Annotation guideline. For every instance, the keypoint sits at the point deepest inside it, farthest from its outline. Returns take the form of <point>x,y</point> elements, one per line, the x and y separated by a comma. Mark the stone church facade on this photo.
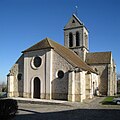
<point>48,70</point>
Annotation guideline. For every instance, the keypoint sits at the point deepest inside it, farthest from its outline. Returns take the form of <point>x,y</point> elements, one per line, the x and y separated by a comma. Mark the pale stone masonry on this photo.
<point>48,70</point>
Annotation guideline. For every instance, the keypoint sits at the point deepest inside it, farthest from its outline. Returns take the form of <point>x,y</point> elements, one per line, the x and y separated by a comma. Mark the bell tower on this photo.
<point>76,37</point>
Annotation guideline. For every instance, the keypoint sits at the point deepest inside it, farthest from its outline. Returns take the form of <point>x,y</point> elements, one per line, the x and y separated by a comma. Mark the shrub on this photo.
<point>4,89</point>
<point>8,108</point>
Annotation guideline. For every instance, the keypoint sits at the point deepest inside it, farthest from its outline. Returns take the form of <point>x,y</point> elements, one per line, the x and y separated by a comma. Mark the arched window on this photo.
<point>19,76</point>
<point>60,74</point>
<point>70,39</point>
<point>77,39</point>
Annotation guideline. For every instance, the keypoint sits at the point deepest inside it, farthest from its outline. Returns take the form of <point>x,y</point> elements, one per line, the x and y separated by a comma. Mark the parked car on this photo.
<point>116,100</point>
<point>3,95</point>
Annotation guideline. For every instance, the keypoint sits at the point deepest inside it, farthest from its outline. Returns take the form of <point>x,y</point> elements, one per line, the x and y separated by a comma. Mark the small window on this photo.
<point>76,52</point>
<point>37,61</point>
<point>60,74</point>
<point>73,21</point>
<point>96,70</point>
<point>19,76</point>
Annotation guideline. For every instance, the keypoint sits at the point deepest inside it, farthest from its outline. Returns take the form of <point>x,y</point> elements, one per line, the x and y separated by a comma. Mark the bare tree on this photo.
<point>4,87</point>
<point>118,76</point>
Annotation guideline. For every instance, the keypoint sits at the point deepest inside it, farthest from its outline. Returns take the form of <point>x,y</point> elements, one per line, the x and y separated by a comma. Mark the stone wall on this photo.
<point>88,85</point>
<point>92,83</point>
<point>102,69</point>
<point>112,79</point>
<point>15,86</point>
<point>60,85</point>
<point>30,73</point>
<point>20,63</point>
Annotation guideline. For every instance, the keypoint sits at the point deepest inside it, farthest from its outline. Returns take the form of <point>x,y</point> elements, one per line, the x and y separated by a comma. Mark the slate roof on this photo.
<point>77,19</point>
<point>98,58</point>
<point>77,24</point>
<point>70,25</point>
<point>39,46</point>
<point>66,53</point>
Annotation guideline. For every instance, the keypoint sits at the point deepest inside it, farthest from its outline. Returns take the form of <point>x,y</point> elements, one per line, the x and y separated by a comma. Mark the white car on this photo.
<point>116,100</point>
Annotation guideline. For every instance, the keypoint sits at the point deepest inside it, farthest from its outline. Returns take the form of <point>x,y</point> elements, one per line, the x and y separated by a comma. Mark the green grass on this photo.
<point>107,100</point>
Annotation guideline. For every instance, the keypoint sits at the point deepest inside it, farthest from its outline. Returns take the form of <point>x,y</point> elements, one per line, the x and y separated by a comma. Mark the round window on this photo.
<point>37,61</point>
<point>19,76</point>
<point>60,74</point>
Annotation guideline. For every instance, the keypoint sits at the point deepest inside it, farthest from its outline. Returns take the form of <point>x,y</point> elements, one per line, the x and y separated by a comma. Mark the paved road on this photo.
<point>89,110</point>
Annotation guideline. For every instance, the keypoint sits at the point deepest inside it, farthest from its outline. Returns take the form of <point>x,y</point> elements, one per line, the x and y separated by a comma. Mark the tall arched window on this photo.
<point>70,39</point>
<point>77,39</point>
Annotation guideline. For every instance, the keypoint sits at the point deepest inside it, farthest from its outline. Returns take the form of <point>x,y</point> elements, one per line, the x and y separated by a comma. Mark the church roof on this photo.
<point>74,22</point>
<point>77,19</point>
<point>66,53</point>
<point>98,58</point>
<point>43,44</point>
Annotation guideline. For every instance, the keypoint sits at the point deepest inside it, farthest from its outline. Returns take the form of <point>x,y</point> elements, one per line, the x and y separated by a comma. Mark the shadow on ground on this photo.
<point>77,114</point>
<point>108,103</point>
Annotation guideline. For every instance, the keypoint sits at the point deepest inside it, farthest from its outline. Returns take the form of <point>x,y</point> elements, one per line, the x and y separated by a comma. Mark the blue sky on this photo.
<point>25,22</point>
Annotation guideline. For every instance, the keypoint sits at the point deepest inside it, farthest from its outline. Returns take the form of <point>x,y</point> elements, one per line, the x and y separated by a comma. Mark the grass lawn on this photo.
<point>108,100</point>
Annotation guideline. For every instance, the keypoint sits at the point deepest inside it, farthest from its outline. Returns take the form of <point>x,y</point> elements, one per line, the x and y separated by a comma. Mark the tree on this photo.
<point>118,76</point>
<point>4,87</point>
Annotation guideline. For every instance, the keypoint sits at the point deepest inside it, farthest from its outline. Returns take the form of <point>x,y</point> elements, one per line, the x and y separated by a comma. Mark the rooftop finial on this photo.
<point>76,10</point>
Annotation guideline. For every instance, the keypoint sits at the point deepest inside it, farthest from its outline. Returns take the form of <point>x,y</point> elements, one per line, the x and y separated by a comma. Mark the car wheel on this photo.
<point>118,102</point>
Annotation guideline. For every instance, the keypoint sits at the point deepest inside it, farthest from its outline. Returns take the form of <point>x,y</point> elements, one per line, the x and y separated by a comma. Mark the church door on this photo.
<point>37,84</point>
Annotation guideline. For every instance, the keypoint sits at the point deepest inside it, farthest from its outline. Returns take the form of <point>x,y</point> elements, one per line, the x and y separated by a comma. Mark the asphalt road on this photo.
<point>89,110</point>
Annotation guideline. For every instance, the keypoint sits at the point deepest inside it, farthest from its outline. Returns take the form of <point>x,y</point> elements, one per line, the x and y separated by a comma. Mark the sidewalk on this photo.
<point>85,104</point>
<point>37,101</point>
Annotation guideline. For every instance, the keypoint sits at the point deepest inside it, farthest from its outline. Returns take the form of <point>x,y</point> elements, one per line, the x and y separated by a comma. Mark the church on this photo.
<point>48,70</point>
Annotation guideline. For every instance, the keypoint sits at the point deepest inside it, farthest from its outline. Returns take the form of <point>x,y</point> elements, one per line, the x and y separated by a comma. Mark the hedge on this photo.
<point>8,108</point>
